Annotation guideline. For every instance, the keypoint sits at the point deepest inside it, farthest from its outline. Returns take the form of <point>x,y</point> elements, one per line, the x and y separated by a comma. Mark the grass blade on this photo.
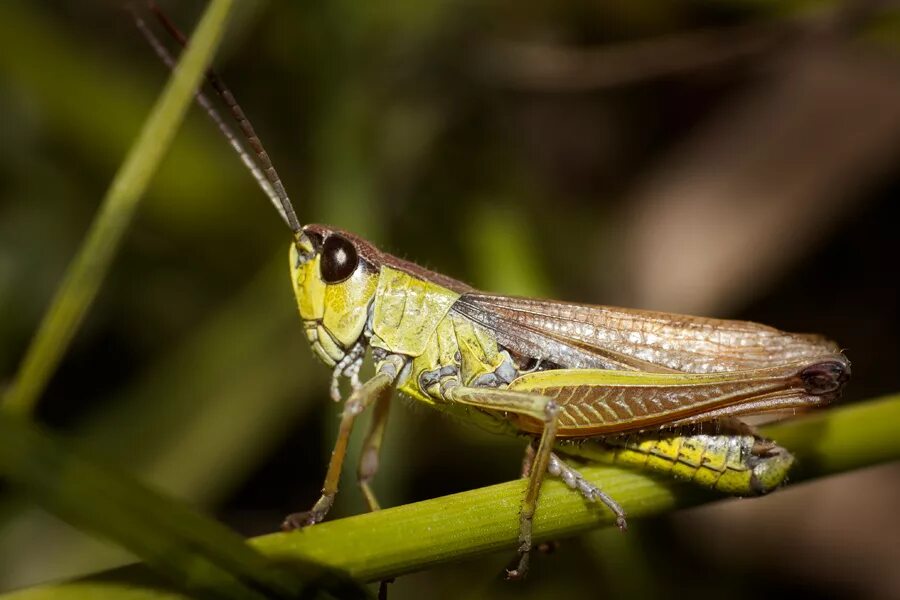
<point>85,275</point>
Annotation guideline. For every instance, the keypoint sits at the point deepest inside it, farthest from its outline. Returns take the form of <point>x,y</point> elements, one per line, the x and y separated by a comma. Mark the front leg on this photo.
<point>371,450</point>
<point>361,398</point>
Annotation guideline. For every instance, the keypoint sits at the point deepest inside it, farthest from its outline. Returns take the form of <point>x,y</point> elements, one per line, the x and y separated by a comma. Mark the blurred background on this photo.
<point>724,157</point>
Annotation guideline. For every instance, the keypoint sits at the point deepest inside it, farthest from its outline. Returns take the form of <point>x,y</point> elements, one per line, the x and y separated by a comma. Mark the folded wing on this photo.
<point>582,336</point>
<point>603,402</point>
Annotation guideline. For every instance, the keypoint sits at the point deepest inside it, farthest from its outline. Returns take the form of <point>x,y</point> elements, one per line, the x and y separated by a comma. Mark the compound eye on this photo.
<point>339,259</point>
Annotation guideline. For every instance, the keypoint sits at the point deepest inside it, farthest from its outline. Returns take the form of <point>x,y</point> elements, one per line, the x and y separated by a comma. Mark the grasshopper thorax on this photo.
<point>335,275</point>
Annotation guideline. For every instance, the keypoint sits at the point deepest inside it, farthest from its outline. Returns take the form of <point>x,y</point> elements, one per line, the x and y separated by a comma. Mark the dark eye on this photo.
<point>339,259</point>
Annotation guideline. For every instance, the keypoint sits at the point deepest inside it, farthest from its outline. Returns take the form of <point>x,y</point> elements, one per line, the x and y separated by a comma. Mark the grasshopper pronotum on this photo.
<point>596,382</point>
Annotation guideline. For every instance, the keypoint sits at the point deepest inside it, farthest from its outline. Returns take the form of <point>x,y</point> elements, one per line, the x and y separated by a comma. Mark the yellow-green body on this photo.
<point>410,317</point>
<point>413,317</point>
<point>730,463</point>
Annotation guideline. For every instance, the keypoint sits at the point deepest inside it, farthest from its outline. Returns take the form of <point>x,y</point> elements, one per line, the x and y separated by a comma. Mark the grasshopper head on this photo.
<point>335,275</point>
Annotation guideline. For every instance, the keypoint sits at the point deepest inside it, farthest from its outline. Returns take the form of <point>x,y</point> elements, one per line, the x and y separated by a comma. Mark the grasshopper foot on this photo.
<point>518,572</point>
<point>300,520</point>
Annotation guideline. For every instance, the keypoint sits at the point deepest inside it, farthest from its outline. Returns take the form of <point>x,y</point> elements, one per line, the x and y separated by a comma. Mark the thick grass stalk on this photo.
<point>416,536</point>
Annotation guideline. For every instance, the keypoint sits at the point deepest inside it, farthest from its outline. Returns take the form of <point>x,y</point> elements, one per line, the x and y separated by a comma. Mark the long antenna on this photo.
<point>266,175</point>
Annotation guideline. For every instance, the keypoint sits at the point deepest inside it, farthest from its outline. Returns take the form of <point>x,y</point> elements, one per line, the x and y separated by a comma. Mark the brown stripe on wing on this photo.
<point>601,409</point>
<point>589,336</point>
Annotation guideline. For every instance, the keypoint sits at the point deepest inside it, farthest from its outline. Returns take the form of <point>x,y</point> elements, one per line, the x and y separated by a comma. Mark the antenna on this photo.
<point>266,175</point>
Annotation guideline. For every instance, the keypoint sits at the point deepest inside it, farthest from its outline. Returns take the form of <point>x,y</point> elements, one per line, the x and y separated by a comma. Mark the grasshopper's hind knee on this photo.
<point>527,404</point>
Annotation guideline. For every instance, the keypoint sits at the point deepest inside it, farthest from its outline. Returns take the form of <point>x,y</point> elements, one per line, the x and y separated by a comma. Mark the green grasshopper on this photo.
<point>574,380</point>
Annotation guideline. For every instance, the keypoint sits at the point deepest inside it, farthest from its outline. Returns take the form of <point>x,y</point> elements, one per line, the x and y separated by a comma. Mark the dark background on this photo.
<point>726,158</point>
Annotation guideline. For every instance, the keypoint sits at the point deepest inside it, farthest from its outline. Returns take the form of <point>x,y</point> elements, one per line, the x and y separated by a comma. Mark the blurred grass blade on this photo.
<point>502,253</point>
<point>86,272</point>
<point>190,550</point>
<point>416,536</point>
<point>190,411</point>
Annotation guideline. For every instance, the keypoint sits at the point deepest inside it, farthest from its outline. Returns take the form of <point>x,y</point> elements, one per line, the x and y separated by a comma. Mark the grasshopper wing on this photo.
<point>602,402</point>
<point>583,336</point>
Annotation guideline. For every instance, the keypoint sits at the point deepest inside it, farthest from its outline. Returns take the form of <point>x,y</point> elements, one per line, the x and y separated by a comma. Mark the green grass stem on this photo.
<point>85,275</point>
<point>424,534</point>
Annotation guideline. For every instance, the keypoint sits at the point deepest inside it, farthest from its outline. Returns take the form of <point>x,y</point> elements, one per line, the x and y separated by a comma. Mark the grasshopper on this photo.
<point>574,380</point>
